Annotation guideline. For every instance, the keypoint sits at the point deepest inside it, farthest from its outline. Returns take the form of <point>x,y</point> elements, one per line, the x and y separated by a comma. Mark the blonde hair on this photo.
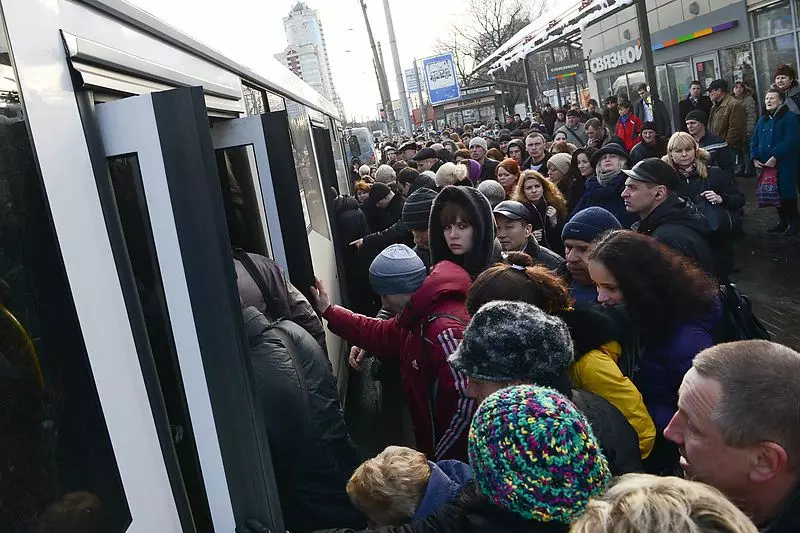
<point>643,503</point>
<point>550,192</point>
<point>681,140</point>
<point>450,174</point>
<point>389,487</point>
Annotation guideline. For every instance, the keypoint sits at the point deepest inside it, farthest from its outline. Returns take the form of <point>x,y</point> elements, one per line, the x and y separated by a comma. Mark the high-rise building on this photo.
<point>306,53</point>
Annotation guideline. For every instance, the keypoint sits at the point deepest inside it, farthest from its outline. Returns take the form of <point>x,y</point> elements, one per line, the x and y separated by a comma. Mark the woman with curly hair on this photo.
<point>547,206</point>
<point>703,185</point>
<point>507,174</point>
<point>597,341</point>
<point>674,311</point>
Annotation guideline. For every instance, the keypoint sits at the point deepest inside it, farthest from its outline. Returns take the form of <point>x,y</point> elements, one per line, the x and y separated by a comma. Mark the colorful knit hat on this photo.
<point>534,454</point>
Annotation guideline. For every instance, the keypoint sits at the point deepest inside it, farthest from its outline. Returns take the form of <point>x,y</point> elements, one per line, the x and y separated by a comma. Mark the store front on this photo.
<point>477,104</point>
<point>703,47</point>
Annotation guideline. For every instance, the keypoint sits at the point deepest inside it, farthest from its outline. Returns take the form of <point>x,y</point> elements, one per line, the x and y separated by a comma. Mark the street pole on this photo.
<point>386,99</point>
<point>528,84</point>
<point>401,88</point>
<point>647,47</point>
<point>385,82</point>
<point>422,107</point>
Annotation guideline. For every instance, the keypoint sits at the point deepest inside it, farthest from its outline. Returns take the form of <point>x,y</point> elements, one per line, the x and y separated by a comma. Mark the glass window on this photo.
<point>338,159</point>
<point>769,54</point>
<point>603,88</point>
<point>736,64</point>
<point>680,77</point>
<point>619,86</point>
<point>275,102</point>
<point>58,470</point>
<point>663,92</point>
<point>771,20</point>
<point>307,175</point>
<point>253,100</point>
<point>635,79</point>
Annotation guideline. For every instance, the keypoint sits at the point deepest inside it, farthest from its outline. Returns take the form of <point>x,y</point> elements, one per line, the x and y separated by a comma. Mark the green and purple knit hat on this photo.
<point>534,454</point>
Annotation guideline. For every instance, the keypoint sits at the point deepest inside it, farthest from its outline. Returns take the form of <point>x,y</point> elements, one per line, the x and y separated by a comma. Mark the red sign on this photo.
<point>700,67</point>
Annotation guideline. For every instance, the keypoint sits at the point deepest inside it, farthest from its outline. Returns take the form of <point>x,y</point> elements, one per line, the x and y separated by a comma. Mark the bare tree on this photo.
<point>485,27</point>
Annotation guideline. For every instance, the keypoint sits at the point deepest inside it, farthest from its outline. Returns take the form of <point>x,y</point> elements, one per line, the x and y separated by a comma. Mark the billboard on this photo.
<point>441,79</point>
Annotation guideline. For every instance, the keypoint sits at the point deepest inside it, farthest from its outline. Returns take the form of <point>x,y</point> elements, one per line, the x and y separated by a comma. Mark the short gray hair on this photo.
<point>760,398</point>
<point>385,174</point>
<point>493,191</point>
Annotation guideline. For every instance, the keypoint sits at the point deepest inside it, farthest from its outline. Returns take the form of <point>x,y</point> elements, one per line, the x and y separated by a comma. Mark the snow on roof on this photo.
<point>536,35</point>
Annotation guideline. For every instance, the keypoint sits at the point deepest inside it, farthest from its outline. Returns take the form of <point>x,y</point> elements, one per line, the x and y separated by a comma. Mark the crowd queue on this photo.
<point>549,297</point>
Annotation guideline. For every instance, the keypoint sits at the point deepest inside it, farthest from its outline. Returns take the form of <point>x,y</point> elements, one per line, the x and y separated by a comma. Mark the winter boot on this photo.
<point>781,226</point>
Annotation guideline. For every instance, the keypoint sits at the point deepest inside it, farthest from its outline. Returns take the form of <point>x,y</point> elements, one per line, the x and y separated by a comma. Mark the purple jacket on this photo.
<point>661,368</point>
<point>447,479</point>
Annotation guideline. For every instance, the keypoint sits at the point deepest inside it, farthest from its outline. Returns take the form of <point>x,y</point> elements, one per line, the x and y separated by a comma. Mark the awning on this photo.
<point>537,35</point>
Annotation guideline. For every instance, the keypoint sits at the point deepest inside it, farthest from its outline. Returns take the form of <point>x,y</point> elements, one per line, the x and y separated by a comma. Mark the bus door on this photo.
<point>278,159</point>
<point>162,187</point>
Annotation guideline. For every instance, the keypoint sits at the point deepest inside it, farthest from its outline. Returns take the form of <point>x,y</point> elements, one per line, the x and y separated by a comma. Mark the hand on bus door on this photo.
<point>357,355</point>
<point>358,243</point>
<point>319,296</point>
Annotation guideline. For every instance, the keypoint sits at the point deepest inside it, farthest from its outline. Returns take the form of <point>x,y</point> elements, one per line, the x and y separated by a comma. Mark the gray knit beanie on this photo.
<point>514,341</point>
<point>397,270</point>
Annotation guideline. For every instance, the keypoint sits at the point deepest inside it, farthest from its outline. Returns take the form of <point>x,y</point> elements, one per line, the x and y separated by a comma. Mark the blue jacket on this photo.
<point>609,198</point>
<point>778,136</point>
<point>447,479</point>
<point>661,367</point>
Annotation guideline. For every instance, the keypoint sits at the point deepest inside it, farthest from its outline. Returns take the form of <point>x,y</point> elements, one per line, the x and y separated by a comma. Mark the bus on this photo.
<point>361,144</point>
<point>134,159</point>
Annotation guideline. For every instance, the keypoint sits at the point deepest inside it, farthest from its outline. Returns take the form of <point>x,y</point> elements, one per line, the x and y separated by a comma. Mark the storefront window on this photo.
<point>736,64</point>
<point>771,20</point>
<point>680,76</point>
<point>603,88</point>
<point>58,470</point>
<point>769,54</point>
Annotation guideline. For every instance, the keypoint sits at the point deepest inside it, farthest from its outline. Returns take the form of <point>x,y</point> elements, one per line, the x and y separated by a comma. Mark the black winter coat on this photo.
<point>350,220</point>
<point>789,519</point>
<point>722,155</point>
<point>488,169</point>
<point>527,163</point>
<point>678,225</point>
<point>541,255</point>
<point>642,151</point>
<point>312,452</point>
<point>685,106</point>
<point>471,512</point>
<point>660,115</point>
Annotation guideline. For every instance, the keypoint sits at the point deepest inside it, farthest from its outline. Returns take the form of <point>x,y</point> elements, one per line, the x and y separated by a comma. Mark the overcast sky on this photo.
<point>259,34</point>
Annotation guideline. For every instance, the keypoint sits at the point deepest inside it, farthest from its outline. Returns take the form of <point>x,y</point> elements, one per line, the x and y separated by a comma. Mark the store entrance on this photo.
<point>707,68</point>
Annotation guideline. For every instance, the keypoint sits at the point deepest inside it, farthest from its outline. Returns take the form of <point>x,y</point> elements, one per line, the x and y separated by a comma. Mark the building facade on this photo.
<point>736,40</point>
<point>306,53</point>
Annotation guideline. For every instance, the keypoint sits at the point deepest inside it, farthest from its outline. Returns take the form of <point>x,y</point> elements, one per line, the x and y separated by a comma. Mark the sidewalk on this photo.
<point>769,271</point>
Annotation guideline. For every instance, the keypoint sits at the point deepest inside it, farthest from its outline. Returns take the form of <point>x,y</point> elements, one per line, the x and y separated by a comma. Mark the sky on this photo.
<point>259,34</point>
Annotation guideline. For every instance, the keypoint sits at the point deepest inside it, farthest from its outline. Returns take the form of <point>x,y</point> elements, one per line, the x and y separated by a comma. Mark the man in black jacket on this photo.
<point>649,192</point>
<point>312,452</point>
<point>695,100</point>
<point>650,108</point>
<point>722,155</point>
<point>651,145</point>
<point>478,148</point>
<point>515,233</point>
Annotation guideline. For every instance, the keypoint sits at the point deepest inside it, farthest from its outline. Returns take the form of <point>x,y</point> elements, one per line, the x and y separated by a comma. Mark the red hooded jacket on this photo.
<point>434,392</point>
<point>630,131</point>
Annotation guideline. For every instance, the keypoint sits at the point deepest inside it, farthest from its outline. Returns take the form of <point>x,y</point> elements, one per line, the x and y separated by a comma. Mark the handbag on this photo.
<point>767,193</point>
<point>720,220</point>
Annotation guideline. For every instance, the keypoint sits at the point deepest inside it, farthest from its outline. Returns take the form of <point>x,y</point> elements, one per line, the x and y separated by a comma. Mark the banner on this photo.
<point>441,79</point>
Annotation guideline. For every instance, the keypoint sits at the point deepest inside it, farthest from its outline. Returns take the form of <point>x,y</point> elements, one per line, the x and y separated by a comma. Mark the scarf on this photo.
<point>685,173</point>
<point>606,178</point>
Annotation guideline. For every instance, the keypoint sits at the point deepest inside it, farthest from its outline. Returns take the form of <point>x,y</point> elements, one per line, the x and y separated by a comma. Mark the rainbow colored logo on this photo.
<point>696,35</point>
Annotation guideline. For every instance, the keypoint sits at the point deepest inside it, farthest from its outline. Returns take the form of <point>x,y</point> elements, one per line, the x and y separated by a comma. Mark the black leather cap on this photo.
<point>513,210</point>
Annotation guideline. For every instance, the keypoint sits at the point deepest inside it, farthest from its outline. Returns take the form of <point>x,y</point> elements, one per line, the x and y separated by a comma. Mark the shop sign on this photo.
<point>564,69</point>
<point>626,56</point>
<point>469,103</point>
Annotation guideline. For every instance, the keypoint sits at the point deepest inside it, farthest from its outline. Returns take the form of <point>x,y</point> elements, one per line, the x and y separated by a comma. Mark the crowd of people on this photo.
<point>550,297</point>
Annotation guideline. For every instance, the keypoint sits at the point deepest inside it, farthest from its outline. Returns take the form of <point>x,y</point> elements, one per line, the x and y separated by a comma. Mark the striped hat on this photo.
<point>534,454</point>
<point>417,209</point>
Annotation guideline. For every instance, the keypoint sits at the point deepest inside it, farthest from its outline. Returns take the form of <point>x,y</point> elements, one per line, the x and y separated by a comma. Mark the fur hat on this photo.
<point>534,454</point>
<point>514,341</point>
<point>785,70</point>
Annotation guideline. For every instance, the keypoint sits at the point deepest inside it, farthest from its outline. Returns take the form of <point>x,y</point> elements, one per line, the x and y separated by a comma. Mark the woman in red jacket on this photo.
<point>428,329</point>
<point>629,127</point>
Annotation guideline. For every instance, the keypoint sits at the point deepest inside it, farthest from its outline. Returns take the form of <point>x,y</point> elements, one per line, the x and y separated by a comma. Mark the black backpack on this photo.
<point>738,321</point>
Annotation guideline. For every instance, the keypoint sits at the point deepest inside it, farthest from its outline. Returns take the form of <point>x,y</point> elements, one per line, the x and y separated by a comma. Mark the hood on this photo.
<point>675,211</point>
<point>448,479</point>
<point>344,203</point>
<point>446,281</point>
<point>590,328</point>
<point>422,181</point>
<point>479,210</point>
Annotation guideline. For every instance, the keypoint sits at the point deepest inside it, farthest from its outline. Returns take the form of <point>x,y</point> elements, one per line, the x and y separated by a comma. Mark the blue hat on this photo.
<point>397,270</point>
<point>588,224</point>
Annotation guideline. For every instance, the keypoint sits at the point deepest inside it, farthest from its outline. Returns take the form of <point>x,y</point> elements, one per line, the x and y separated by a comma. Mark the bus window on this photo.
<point>307,174</point>
<point>58,471</point>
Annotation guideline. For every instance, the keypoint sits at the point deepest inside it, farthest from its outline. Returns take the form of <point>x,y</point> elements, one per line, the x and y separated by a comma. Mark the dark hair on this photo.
<point>451,212</point>
<point>412,164</point>
<point>407,175</point>
<point>397,166</point>
<point>592,101</point>
<point>594,122</point>
<point>519,281</point>
<point>445,155</point>
<point>462,153</point>
<point>781,94</point>
<point>495,153</point>
<point>661,287</point>
<point>574,173</point>
<point>695,82</point>
<point>624,103</point>
<point>642,86</point>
